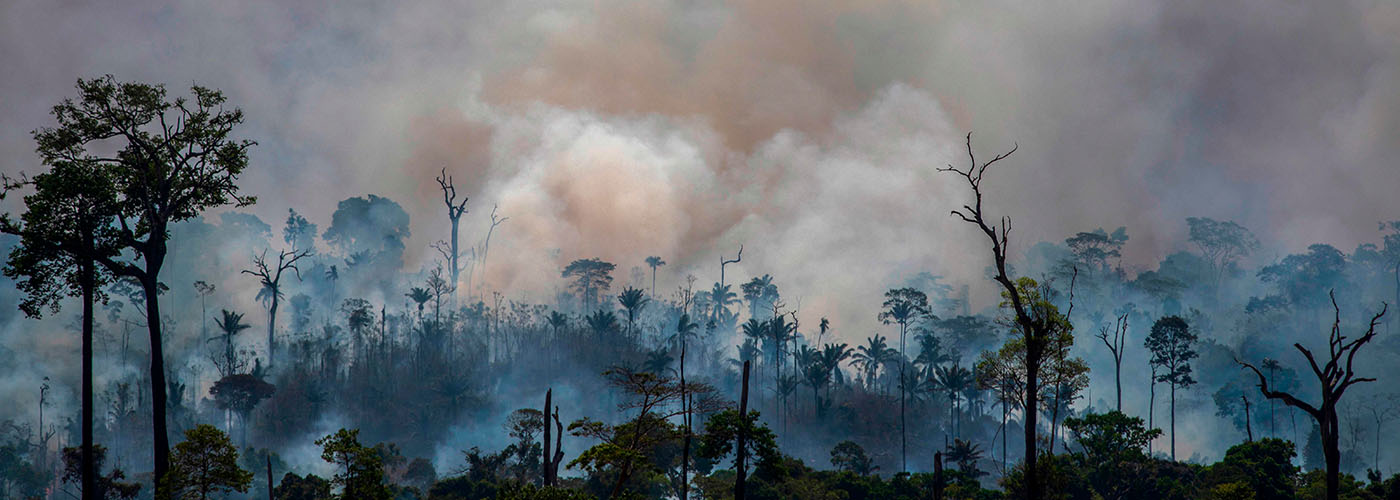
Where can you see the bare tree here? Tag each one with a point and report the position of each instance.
(1115, 346)
(271, 278)
(455, 210)
(486, 243)
(1036, 329)
(1335, 376)
(724, 262)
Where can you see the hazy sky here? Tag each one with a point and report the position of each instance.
(808, 131)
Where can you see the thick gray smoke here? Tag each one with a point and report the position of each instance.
(806, 131)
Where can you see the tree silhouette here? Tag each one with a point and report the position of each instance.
(590, 277)
(902, 306)
(455, 210)
(654, 262)
(230, 324)
(270, 277)
(1037, 323)
(1222, 243)
(65, 229)
(205, 463)
(173, 159)
(419, 296)
(1334, 377)
(1172, 344)
(1119, 333)
(632, 301)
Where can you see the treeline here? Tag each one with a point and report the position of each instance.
(645, 382)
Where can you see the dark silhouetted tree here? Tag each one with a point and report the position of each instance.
(902, 306)
(590, 278)
(1172, 344)
(654, 262)
(270, 277)
(1334, 376)
(205, 464)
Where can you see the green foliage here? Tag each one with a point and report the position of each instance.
(205, 463)
(360, 473)
(294, 487)
(110, 486)
(721, 436)
(1264, 467)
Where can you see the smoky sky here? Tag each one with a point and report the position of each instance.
(807, 131)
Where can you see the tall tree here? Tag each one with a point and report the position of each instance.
(270, 277)
(455, 210)
(902, 306)
(654, 262)
(1334, 377)
(1221, 243)
(1115, 338)
(1172, 344)
(760, 293)
(590, 277)
(632, 300)
(173, 159)
(66, 227)
(1037, 323)
(230, 324)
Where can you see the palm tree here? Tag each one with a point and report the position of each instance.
(720, 298)
(602, 323)
(419, 296)
(230, 324)
(965, 454)
(871, 356)
(955, 380)
(654, 262)
(556, 321)
(632, 300)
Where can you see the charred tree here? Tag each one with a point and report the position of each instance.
(455, 210)
(270, 276)
(1334, 376)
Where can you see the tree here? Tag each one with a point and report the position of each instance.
(173, 160)
(455, 210)
(849, 456)
(419, 296)
(624, 449)
(110, 486)
(966, 454)
(632, 301)
(871, 356)
(1111, 450)
(270, 277)
(230, 324)
(1221, 243)
(241, 393)
(654, 262)
(294, 487)
(1334, 377)
(206, 462)
(1094, 249)
(954, 380)
(760, 293)
(65, 229)
(1172, 344)
(359, 469)
(1036, 323)
(1119, 333)
(590, 276)
(902, 306)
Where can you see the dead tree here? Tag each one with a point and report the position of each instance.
(550, 463)
(723, 262)
(1248, 429)
(1115, 346)
(1036, 329)
(455, 210)
(1334, 377)
(271, 278)
(486, 243)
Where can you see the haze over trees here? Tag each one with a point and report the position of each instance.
(647, 391)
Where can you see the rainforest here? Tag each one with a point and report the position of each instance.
(668, 249)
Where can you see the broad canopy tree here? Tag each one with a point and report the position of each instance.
(165, 160)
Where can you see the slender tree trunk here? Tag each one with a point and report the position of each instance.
(1331, 451)
(548, 456)
(937, 475)
(89, 282)
(272, 326)
(685, 413)
(269, 477)
(1118, 382)
(1151, 407)
(1032, 401)
(741, 474)
(1173, 420)
(903, 435)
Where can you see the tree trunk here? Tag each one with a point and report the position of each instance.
(269, 477)
(548, 456)
(1032, 400)
(89, 282)
(1151, 407)
(1118, 383)
(160, 440)
(272, 326)
(740, 474)
(937, 475)
(903, 436)
(1173, 420)
(1331, 451)
(685, 414)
